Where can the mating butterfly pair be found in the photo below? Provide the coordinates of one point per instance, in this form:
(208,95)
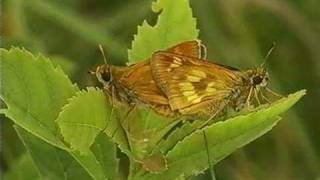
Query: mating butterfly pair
(180,81)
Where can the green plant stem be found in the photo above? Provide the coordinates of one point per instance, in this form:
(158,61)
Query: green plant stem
(84,29)
(132,170)
(213,177)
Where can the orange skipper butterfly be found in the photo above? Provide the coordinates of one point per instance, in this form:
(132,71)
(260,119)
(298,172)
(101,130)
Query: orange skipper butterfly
(202,89)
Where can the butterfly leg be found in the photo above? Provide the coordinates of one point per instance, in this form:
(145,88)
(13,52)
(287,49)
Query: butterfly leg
(249,97)
(274,93)
(132,107)
(109,98)
(203,51)
(214,114)
(121,120)
(120,123)
(256,96)
(264,97)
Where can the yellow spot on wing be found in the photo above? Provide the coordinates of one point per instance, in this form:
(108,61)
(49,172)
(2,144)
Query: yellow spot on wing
(210,89)
(177,60)
(186,85)
(188,93)
(211,84)
(193,78)
(173,65)
(199,73)
(192,98)
(197,100)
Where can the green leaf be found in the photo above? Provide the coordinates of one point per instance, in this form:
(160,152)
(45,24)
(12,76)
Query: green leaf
(175,24)
(106,152)
(34,93)
(81,121)
(68,66)
(89,162)
(116,132)
(144,129)
(83,118)
(189,157)
(53,163)
(178,134)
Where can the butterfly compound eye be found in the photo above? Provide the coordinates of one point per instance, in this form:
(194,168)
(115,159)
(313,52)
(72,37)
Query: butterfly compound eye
(257,80)
(105,76)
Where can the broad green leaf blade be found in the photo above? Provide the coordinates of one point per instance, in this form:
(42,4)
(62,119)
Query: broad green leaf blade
(178,134)
(175,24)
(34,92)
(189,157)
(106,153)
(83,118)
(52,163)
(89,162)
(145,128)
(115,131)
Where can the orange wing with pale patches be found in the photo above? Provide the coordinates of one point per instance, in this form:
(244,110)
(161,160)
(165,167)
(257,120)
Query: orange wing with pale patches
(192,84)
(139,81)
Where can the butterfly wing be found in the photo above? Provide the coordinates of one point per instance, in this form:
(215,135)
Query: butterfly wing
(192,85)
(192,48)
(138,80)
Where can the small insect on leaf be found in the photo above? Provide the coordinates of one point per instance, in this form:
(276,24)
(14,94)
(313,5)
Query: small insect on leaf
(202,89)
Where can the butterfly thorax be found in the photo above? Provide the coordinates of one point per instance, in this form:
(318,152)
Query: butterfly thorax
(109,75)
(257,78)
(253,81)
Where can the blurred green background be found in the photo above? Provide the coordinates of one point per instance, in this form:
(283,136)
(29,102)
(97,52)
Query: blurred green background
(236,32)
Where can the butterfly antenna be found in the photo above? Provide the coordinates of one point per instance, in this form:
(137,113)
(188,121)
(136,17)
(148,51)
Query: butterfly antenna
(268,54)
(103,55)
(105,59)
(213,177)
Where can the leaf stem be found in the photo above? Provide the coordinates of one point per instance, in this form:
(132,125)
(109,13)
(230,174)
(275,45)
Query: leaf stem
(213,177)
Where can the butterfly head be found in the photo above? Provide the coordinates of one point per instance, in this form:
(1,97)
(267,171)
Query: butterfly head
(103,74)
(258,77)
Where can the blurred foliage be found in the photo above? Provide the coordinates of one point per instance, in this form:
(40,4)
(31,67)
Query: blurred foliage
(236,33)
